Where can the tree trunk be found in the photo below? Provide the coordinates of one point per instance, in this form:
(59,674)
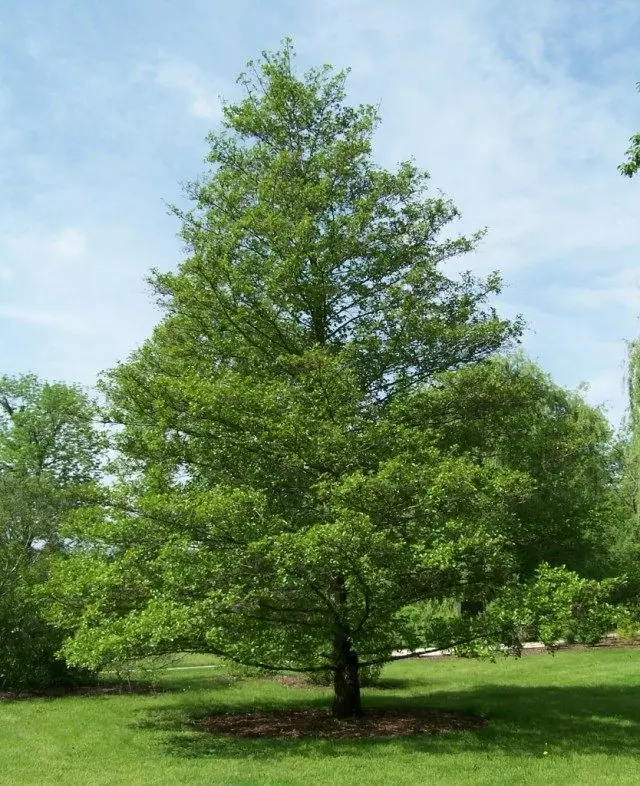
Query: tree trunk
(346,669)
(346,679)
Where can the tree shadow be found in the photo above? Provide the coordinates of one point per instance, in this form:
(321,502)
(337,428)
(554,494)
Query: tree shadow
(393,683)
(99,689)
(522,721)
(106,688)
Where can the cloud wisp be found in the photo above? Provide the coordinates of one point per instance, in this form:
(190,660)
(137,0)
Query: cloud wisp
(187,79)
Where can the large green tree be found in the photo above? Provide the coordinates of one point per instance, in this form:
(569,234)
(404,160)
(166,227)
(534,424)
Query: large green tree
(50,453)
(284,490)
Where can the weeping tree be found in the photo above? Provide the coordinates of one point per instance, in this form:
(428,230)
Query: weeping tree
(631,476)
(626,538)
(277,501)
(625,535)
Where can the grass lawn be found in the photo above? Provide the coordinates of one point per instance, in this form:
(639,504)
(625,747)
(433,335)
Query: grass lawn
(585,706)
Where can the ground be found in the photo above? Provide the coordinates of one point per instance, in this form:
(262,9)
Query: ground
(375,724)
(572,718)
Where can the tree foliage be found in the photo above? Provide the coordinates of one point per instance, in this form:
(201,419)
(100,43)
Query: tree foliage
(510,412)
(625,534)
(630,166)
(49,455)
(631,461)
(290,477)
(555,605)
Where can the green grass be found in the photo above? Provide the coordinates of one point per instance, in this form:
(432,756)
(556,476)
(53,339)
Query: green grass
(584,705)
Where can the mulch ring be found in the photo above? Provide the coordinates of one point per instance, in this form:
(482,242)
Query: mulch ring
(319,724)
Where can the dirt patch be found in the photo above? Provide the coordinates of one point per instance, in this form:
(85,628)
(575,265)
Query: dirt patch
(618,643)
(602,645)
(319,724)
(610,642)
(291,680)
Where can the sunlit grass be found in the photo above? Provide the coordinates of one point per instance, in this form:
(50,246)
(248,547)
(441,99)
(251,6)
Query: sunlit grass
(583,708)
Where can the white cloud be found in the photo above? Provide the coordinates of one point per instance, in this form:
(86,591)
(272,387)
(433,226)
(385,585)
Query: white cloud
(620,290)
(186,78)
(69,243)
(42,318)
(608,389)
(34,247)
(33,47)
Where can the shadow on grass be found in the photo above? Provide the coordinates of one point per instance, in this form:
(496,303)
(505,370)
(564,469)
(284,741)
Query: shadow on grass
(91,690)
(522,720)
(393,683)
(108,688)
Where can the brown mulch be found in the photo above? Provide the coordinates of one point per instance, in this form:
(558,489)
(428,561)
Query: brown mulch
(608,643)
(319,724)
(617,643)
(291,680)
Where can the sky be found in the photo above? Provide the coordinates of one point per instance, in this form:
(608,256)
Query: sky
(521,112)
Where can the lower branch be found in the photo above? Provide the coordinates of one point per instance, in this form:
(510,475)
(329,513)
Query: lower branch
(250,663)
(451,645)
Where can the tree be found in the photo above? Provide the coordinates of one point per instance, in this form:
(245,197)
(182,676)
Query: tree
(565,526)
(632,163)
(509,411)
(286,480)
(49,456)
(626,535)
(631,474)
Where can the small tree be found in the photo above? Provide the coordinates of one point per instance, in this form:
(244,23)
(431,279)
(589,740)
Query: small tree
(280,501)
(49,456)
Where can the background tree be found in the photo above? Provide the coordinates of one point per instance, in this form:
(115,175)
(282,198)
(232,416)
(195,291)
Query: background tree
(283,490)
(511,412)
(49,457)
(508,411)
(626,538)
(631,459)
(625,535)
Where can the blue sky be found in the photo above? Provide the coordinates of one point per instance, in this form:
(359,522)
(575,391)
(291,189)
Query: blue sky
(520,111)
